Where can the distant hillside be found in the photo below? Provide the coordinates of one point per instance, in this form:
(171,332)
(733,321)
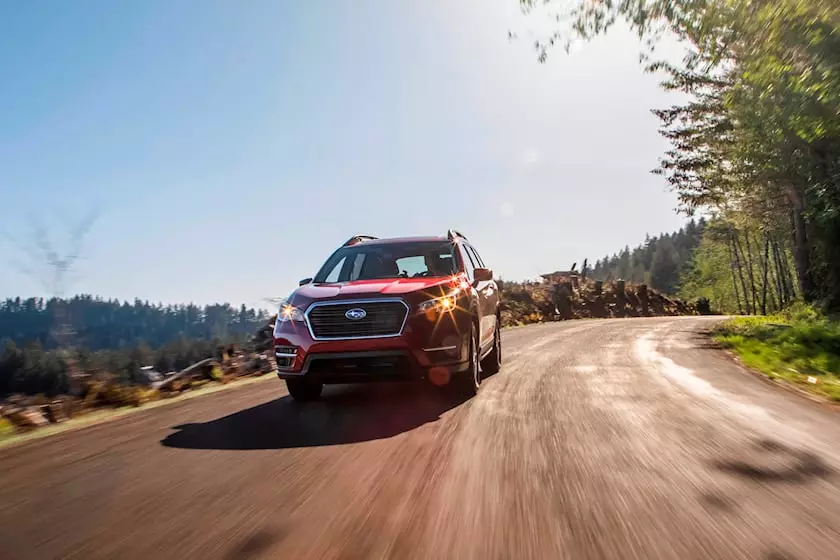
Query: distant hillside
(98,324)
(658,262)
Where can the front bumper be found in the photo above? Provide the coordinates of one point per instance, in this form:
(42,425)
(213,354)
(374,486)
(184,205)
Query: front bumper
(423,346)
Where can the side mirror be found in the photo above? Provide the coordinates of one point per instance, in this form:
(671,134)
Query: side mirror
(305,281)
(483,274)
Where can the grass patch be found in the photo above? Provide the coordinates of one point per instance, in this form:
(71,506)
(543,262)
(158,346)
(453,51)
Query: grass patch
(792,346)
(7,429)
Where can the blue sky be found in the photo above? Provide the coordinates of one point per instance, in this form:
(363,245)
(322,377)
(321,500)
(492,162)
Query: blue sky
(228,147)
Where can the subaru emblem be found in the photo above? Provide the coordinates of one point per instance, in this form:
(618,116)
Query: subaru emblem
(356,314)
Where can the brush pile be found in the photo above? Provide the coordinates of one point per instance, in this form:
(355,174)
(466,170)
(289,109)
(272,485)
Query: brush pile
(525,303)
(102,390)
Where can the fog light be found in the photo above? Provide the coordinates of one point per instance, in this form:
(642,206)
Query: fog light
(285,356)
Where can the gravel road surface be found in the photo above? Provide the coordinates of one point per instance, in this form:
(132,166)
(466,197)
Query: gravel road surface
(621,439)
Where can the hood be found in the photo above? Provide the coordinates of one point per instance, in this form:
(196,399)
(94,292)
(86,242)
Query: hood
(383,287)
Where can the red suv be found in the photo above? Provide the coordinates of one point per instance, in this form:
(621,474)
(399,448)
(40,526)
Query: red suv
(389,309)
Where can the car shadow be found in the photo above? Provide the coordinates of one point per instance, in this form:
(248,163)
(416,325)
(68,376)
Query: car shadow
(701,339)
(798,466)
(345,414)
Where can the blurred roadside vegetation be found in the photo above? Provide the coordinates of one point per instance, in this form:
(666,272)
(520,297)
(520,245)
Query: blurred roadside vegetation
(800,345)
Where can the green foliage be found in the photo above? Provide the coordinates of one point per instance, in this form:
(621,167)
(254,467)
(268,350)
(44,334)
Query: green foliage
(709,275)
(793,346)
(657,262)
(7,429)
(758,140)
(98,324)
(112,338)
(802,313)
(664,270)
(741,270)
(33,370)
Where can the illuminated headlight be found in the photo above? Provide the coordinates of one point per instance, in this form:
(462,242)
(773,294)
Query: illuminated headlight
(441,304)
(288,313)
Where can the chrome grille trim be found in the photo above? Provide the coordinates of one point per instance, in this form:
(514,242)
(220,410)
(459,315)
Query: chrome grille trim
(331,303)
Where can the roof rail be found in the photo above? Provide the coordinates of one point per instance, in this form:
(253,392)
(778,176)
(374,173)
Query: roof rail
(358,239)
(453,233)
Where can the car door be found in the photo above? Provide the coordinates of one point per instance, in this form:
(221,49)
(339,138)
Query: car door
(469,268)
(488,299)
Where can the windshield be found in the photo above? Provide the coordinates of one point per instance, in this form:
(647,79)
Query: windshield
(393,260)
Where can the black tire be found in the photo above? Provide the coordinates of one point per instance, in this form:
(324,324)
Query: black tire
(467,382)
(492,363)
(304,390)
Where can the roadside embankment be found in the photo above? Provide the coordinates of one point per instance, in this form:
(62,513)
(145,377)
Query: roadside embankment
(800,347)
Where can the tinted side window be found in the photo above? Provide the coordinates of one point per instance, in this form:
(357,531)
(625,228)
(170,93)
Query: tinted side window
(469,266)
(478,262)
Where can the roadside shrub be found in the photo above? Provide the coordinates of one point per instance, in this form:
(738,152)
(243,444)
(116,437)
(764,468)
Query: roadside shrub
(6,428)
(801,312)
(795,345)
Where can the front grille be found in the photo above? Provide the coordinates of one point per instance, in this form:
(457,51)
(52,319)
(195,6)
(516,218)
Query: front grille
(383,318)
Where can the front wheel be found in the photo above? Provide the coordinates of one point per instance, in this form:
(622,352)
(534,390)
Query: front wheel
(492,363)
(467,382)
(303,390)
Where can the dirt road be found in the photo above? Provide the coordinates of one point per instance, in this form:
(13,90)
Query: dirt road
(598,439)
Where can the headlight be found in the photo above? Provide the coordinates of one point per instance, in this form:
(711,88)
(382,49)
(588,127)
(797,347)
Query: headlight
(288,313)
(443,304)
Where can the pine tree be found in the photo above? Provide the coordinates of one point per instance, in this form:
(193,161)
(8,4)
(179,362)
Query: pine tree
(636,265)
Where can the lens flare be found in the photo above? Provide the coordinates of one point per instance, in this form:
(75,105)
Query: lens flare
(443,308)
(289,313)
